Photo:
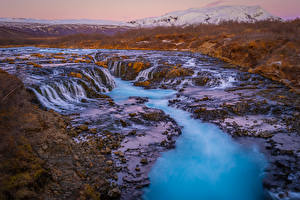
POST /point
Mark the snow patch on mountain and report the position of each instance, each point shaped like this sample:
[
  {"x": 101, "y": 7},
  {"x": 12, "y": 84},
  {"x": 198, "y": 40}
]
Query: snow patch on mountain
[{"x": 213, "y": 15}]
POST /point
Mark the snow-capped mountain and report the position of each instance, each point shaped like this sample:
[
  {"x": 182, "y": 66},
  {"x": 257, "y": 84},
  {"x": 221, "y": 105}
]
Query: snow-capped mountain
[{"x": 212, "y": 15}]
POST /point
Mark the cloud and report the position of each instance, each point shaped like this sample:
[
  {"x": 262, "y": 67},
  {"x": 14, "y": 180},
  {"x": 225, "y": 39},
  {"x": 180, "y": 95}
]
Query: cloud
[{"x": 215, "y": 3}]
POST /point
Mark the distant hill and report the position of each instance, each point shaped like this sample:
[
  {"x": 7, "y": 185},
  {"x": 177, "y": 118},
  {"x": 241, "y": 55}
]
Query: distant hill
[
  {"x": 20, "y": 29},
  {"x": 64, "y": 21},
  {"x": 213, "y": 15}
]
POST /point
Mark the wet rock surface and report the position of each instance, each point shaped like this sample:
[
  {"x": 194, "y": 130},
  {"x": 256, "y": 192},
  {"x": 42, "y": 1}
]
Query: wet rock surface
[
  {"x": 109, "y": 148},
  {"x": 242, "y": 104},
  {"x": 266, "y": 114},
  {"x": 140, "y": 135}
]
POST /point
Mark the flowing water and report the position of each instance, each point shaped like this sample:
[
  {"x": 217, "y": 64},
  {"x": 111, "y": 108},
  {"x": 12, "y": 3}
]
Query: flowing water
[{"x": 206, "y": 163}]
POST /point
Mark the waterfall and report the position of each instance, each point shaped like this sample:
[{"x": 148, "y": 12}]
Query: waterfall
[
  {"x": 71, "y": 93},
  {"x": 109, "y": 78},
  {"x": 146, "y": 74},
  {"x": 101, "y": 83},
  {"x": 61, "y": 95},
  {"x": 114, "y": 68},
  {"x": 226, "y": 82}
]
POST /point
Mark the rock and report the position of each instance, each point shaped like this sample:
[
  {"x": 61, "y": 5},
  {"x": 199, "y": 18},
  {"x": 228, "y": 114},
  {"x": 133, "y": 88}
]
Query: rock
[
  {"x": 132, "y": 114},
  {"x": 142, "y": 83},
  {"x": 62, "y": 124},
  {"x": 93, "y": 130},
  {"x": 102, "y": 64},
  {"x": 133, "y": 132},
  {"x": 25, "y": 194},
  {"x": 266, "y": 134},
  {"x": 75, "y": 74},
  {"x": 109, "y": 162},
  {"x": 165, "y": 133},
  {"x": 83, "y": 127},
  {"x": 163, "y": 143},
  {"x": 44, "y": 147},
  {"x": 114, "y": 193},
  {"x": 153, "y": 116},
  {"x": 123, "y": 123},
  {"x": 119, "y": 153},
  {"x": 144, "y": 161},
  {"x": 108, "y": 150},
  {"x": 76, "y": 157},
  {"x": 137, "y": 169}
]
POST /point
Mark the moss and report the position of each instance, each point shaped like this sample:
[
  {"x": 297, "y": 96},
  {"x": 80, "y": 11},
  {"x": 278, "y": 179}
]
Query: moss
[
  {"x": 138, "y": 66},
  {"x": 143, "y": 83},
  {"x": 58, "y": 57},
  {"x": 89, "y": 57},
  {"x": 34, "y": 64},
  {"x": 153, "y": 116},
  {"x": 22, "y": 173},
  {"x": 102, "y": 64},
  {"x": 178, "y": 72},
  {"x": 8, "y": 60},
  {"x": 75, "y": 74},
  {"x": 200, "y": 110},
  {"x": 132, "y": 114},
  {"x": 38, "y": 55},
  {"x": 87, "y": 61},
  {"x": 90, "y": 193}
]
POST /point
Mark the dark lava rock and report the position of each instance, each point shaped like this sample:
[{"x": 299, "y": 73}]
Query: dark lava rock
[
  {"x": 144, "y": 161},
  {"x": 154, "y": 116},
  {"x": 114, "y": 193}
]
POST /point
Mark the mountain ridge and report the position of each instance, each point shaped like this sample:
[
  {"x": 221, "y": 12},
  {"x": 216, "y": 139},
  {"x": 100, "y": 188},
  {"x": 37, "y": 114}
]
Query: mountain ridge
[{"x": 213, "y": 15}]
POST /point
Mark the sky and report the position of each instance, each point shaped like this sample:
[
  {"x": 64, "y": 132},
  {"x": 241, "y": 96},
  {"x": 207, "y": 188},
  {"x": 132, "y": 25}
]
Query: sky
[{"x": 125, "y": 10}]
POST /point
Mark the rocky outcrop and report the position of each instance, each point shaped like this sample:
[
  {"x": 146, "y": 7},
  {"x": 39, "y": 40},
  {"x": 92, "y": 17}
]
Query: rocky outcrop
[
  {"x": 170, "y": 72},
  {"x": 165, "y": 73},
  {"x": 127, "y": 70}
]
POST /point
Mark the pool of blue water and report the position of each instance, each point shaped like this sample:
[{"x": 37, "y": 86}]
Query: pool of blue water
[{"x": 206, "y": 163}]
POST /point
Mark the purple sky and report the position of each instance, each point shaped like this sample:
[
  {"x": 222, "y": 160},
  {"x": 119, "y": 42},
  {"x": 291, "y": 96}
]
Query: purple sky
[{"x": 128, "y": 9}]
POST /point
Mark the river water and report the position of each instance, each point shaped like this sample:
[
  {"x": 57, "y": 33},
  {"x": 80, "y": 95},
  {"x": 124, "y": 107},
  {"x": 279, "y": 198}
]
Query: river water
[{"x": 206, "y": 163}]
